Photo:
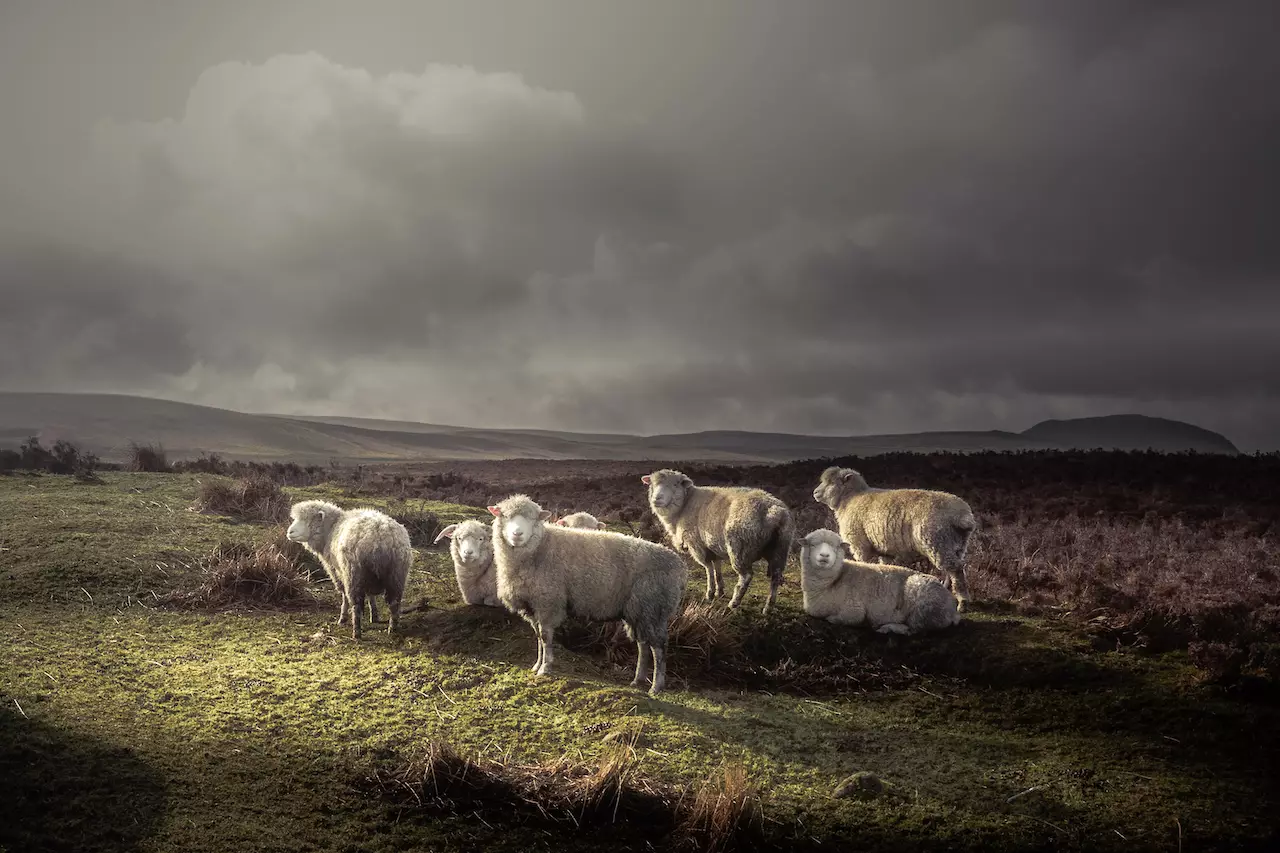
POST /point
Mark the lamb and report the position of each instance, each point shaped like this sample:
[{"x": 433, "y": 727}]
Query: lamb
[
  {"x": 890, "y": 599},
  {"x": 583, "y": 520},
  {"x": 471, "y": 546},
  {"x": 364, "y": 552},
  {"x": 717, "y": 523},
  {"x": 546, "y": 572},
  {"x": 901, "y": 525}
]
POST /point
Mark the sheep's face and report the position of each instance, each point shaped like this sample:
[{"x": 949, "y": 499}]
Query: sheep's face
[
  {"x": 836, "y": 484},
  {"x": 823, "y": 550},
  {"x": 518, "y": 520},
  {"x": 472, "y": 541},
  {"x": 309, "y": 522},
  {"x": 667, "y": 489}
]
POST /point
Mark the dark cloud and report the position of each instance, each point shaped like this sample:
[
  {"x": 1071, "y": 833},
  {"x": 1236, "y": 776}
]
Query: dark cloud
[{"x": 869, "y": 216}]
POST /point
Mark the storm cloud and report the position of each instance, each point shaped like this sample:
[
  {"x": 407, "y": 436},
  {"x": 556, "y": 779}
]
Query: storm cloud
[{"x": 851, "y": 217}]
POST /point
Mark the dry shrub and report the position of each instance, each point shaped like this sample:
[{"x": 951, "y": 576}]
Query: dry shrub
[
  {"x": 253, "y": 498},
  {"x": 724, "y": 814},
  {"x": 423, "y": 526},
  {"x": 260, "y": 575},
  {"x": 701, "y": 636},
  {"x": 147, "y": 457}
]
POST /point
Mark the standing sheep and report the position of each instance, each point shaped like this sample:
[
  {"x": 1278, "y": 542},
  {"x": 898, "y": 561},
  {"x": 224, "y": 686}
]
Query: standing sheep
[
  {"x": 717, "y": 523},
  {"x": 890, "y": 599},
  {"x": 900, "y": 525},
  {"x": 581, "y": 520},
  {"x": 471, "y": 546},
  {"x": 546, "y": 572},
  {"x": 364, "y": 552}
]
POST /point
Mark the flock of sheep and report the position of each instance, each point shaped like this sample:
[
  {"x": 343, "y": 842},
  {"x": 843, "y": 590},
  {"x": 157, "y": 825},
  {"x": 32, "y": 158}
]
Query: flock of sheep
[{"x": 545, "y": 569}]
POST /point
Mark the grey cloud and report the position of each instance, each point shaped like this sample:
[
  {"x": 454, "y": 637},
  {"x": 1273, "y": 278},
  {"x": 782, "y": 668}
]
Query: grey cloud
[{"x": 867, "y": 217}]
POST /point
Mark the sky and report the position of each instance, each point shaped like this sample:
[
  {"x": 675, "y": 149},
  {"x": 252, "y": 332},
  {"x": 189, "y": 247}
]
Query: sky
[{"x": 838, "y": 218}]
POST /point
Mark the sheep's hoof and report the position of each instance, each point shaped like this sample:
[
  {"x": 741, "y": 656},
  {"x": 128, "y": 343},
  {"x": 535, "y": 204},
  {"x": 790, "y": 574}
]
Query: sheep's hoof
[
  {"x": 962, "y": 604},
  {"x": 543, "y": 671},
  {"x": 635, "y": 682}
]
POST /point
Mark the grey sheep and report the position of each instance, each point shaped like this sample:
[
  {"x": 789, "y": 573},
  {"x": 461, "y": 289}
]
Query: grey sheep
[
  {"x": 471, "y": 547},
  {"x": 582, "y": 520},
  {"x": 890, "y": 599},
  {"x": 546, "y": 572},
  {"x": 364, "y": 552},
  {"x": 901, "y": 525},
  {"x": 717, "y": 523}
]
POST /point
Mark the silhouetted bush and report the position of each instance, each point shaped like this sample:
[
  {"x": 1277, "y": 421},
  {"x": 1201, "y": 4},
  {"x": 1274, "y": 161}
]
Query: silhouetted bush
[{"x": 148, "y": 457}]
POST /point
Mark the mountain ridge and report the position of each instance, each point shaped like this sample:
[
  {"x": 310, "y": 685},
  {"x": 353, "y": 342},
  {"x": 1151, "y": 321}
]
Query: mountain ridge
[{"x": 106, "y": 423}]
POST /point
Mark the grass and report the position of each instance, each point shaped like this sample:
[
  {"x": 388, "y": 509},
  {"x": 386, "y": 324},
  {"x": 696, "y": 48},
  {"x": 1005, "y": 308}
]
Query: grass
[{"x": 129, "y": 725}]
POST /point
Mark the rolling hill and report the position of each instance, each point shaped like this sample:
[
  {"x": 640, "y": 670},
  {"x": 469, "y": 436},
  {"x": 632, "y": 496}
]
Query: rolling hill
[{"x": 106, "y": 424}]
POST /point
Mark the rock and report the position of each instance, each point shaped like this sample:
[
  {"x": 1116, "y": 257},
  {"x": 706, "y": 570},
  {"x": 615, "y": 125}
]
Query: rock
[{"x": 863, "y": 785}]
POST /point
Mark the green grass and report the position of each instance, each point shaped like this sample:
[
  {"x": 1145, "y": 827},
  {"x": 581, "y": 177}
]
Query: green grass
[{"x": 129, "y": 726}]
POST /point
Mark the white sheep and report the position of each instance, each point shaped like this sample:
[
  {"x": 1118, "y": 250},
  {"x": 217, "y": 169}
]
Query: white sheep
[
  {"x": 471, "y": 546},
  {"x": 546, "y": 572},
  {"x": 900, "y": 526},
  {"x": 582, "y": 520},
  {"x": 364, "y": 552},
  {"x": 890, "y": 599},
  {"x": 717, "y": 523}
]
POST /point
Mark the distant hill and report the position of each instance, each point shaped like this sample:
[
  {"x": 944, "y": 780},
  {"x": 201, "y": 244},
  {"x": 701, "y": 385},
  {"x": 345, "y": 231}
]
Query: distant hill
[
  {"x": 106, "y": 423},
  {"x": 1131, "y": 432}
]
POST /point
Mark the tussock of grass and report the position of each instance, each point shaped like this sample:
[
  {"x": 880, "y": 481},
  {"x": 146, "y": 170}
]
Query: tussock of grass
[
  {"x": 149, "y": 458},
  {"x": 423, "y": 525},
  {"x": 726, "y": 813},
  {"x": 253, "y": 498},
  {"x": 258, "y": 575}
]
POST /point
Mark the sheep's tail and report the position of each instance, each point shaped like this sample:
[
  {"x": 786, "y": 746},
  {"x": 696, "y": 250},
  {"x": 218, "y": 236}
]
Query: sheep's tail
[{"x": 783, "y": 524}]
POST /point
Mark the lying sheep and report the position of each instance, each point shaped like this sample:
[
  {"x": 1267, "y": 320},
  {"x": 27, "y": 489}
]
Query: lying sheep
[
  {"x": 364, "y": 552},
  {"x": 582, "y": 520},
  {"x": 471, "y": 546},
  {"x": 890, "y": 599},
  {"x": 546, "y": 572},
  {"x": 900, "y": 525},
  {"x": 717, "y": 523}
]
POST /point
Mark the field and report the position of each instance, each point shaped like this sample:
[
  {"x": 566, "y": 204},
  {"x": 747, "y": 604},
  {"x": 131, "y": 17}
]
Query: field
[{"x": 1114, "y": 687}]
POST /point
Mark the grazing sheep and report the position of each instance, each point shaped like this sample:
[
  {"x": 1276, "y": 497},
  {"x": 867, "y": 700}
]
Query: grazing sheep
[
  {"x": 717, "y": 523},
  {"x": 364, "y": 552},
  {"x": 471, "y": 546},
  {"x": 582, "y": 520},
  {"x": 900, "y": 525},
  {"x": 546, "y": 572},
  {"x": 890, "y": 599}
]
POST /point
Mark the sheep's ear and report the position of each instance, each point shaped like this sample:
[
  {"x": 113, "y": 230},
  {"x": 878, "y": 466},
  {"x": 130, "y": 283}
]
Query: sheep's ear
[
  {"x": 847, "y": 475},
  {"x": 559, "y": 521},
  {"x": 494, "y": 510},
  {"x": 848, "y": 550},
  {"x": 544, "y": 515},
  {"x": 687, "y": 482},
  {"x": 599, "y": 525},
  {"x": 645, "y": 479},
  {"x": 447, "y": 532}
]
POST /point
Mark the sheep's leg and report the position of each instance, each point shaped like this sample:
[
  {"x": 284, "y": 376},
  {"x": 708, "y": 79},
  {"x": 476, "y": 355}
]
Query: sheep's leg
[
  {"x": 644, "y": 658},
  {"x": 659, "y": 653},
  {"x": 373, "y": 609},
  {"x": 393, "y": 617},
  {"x": 537, "y": 665},
  {"x": 356, "y": 606},
  {"x": 342, "y": 601},
  {"x": 708, "y": 564},
  {"x": 548, "y": 655},
  {"x": 893, "y": 628},
  {"x": 743, "y": 569}
]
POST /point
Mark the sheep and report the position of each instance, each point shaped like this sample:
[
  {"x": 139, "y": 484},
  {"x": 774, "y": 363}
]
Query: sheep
[
  {"x": 716, "y": 523},
  {"x": 901, "y": 525},
  {"x": 364, "y": 552},
  {"x": 583, "y": 520},
  {"x": 546, "y": 572},
  {"x": 890, "y": 599},
  {"x": 471, "y": 546}
]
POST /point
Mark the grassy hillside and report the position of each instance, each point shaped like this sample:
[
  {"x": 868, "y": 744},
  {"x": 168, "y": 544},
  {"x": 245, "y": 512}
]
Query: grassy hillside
[
  {"x": 106, "y": 424},
  {"x": 126, "y": 724}
]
